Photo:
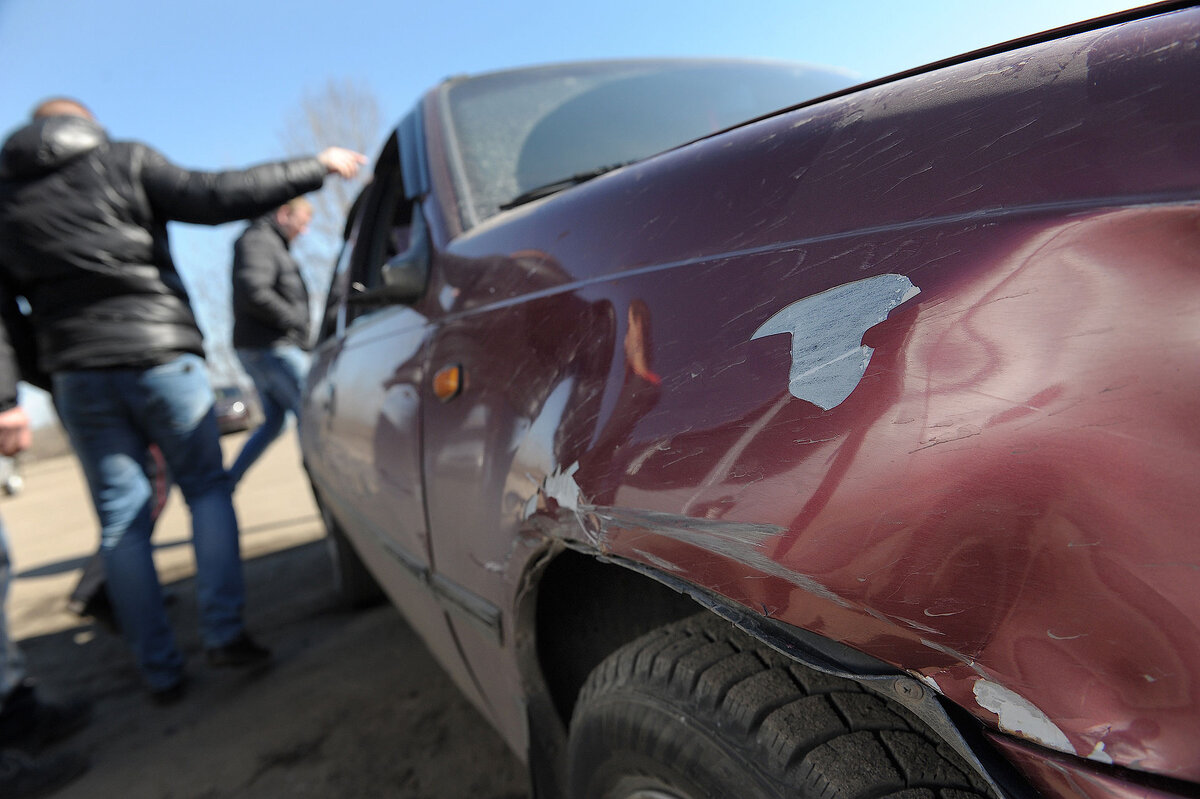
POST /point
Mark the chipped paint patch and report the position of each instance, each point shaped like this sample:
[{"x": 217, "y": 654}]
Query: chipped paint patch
[
  {"x": 1020, "y": 716},
  {"x": 828, "y": 356},
  {"x": 559, "y": 486},
  {"x": 925, "y": 678},
  {"x": 1099, "y": 755}
]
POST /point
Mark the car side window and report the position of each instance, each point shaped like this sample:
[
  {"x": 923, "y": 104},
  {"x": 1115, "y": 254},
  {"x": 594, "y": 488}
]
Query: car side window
[
  {"x": 387, "y": 231},
  {"x": 373, "y": 243}
]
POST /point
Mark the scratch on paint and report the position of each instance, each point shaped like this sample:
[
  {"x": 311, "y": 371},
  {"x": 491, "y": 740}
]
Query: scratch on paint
[
  {"x": 740, "y": 542},
  {"x": 657, "y": 561},
  {"x": 1020, "y": 716},
  {"x": 959, "y": 656},
  {"x": 933, "y": 614},
  {"x": 916, "y": 626},
  {"x": 729, "y": 366},
  {"x": 1065, "y": 637},
  {"x": 815, "y": 440},
  {"x": 965, "y": 432}
]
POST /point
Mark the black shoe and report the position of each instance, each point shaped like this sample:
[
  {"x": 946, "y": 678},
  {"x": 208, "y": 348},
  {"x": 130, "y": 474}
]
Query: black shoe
[
  {"x": 99, "y": 608},
  {"x": 238, "y": 653},
  {"x": 24, "y": 777},
  {"x": 28, "y": 723},
  {"x": 169, "y": 695}
]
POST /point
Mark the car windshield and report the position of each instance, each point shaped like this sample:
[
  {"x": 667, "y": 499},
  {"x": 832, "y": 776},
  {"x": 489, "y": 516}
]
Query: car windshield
[{"x": 515, "y": 132}]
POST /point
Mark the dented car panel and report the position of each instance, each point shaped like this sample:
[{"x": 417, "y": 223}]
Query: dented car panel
[{"x": 912, "y": 368}]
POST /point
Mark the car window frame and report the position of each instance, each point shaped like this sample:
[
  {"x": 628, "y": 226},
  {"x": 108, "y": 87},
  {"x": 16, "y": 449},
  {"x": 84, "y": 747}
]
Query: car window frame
[{"x": 400, "y": 182}]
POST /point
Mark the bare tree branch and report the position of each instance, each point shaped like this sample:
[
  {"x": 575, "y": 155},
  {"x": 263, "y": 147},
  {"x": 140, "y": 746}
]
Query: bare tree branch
[{"x": 343, "y": 113}]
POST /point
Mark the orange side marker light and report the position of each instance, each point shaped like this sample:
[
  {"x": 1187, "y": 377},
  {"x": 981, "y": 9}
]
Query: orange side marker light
[{"x": 448, "y": 382}]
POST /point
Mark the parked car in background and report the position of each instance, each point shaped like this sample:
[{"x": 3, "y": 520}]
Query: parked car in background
[
  {"x": 726, "y": 431},
  {"x": 237, "y": 408}
]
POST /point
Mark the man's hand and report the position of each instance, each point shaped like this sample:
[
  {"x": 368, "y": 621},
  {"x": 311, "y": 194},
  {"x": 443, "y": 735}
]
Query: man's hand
[
  {"x": 338, "y": 160},
  {"x": 15, "y": 433}
]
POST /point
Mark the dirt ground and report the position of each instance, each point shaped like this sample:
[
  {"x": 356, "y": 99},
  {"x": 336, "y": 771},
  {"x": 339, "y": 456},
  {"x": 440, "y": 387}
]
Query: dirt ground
[{"x": 353, "y": 707}]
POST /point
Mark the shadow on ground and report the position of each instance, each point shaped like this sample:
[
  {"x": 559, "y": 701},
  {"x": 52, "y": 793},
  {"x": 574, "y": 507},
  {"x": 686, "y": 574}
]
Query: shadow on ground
[{"x": 353, "y": 707}]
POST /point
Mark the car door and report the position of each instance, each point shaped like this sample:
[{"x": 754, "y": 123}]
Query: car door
[{"x": 363, "y": 414}]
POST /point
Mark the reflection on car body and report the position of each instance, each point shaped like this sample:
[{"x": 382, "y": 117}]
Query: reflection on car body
[{"x": 939, "y": 540}]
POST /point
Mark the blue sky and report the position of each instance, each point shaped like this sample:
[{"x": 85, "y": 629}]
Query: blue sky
[{"x": 211, "y": 83}]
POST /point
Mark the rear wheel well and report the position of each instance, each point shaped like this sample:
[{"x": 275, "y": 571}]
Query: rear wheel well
[{"x": 583, "y": 609}]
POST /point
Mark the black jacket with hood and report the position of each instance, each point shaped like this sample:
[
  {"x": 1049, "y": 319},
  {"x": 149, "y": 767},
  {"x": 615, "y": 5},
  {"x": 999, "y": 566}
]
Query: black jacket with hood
[
  {"x": 83, "y": 238},
  {"x": 270, "y": 300}
]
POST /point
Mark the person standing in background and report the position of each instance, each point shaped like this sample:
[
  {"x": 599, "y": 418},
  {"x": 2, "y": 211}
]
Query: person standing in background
[{"x": 271, "y": 322}]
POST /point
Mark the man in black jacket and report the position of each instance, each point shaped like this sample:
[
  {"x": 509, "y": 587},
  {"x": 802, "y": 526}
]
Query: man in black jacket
[
  {"x": 83, "y": 239},
  {"x": 271, "y": 321}
]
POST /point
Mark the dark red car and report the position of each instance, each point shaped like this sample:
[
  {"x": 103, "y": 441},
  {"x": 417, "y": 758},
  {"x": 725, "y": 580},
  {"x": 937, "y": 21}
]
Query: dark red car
[{"x": 725, "y": 431}]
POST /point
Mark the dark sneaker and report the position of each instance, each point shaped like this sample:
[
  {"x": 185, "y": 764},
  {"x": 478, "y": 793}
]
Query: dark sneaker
[
  {"x": 169, "y": 695},
  {"x": 29, "y": 723},
  {"x": 238, "y": 653},
  {"x": 25, "y": 777},
  {"x": 98, "y": 608}
]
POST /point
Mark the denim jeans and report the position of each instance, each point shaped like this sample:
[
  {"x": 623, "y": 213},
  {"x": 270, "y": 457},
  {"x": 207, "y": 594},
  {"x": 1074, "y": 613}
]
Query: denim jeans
[
  {"x": 112, "y": 416},
  {"x": 278, "y": 373},
  {"x": 12, "y": 663}
]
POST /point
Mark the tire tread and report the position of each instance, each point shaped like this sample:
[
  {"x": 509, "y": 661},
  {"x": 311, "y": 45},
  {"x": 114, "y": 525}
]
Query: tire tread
[{"x": 810, "y": 734}]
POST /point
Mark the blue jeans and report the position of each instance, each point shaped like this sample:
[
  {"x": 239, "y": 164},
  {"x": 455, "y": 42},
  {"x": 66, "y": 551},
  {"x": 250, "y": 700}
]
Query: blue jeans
[
  {"x": 278, "y": 373},
  {"x": 12, "y": 663},
  {"x": 112, "y": 416}
]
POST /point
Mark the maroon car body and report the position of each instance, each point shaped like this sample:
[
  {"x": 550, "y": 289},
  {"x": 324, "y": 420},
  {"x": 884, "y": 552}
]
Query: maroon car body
[{"x": 904, "y": 381}]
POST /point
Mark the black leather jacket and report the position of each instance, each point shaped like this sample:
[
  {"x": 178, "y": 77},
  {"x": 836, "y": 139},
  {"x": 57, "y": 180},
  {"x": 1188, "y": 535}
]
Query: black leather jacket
[
  {"x": 270, "y": 300},
  {"x": 83, "y": 237}
]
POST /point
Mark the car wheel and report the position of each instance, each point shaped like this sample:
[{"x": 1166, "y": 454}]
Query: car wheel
[
  {"x": 353, "y": 585},
  {"x": 697, "y": 709}
]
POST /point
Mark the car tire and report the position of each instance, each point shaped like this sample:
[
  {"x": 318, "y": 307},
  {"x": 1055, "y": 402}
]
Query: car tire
[
  {"x": 697, "y": 709},
  {"x": 353, "y": 584}
]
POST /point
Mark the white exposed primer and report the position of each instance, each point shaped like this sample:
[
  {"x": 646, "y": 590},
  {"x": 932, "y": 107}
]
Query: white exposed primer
[
  {"x": 925, "y": 678},
  {"x": 828, "y": 356},
  {"x": 1020, "y": 717},
  {"x": 561, "y": 487},
  {"x": 1099, "y": 755}
]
